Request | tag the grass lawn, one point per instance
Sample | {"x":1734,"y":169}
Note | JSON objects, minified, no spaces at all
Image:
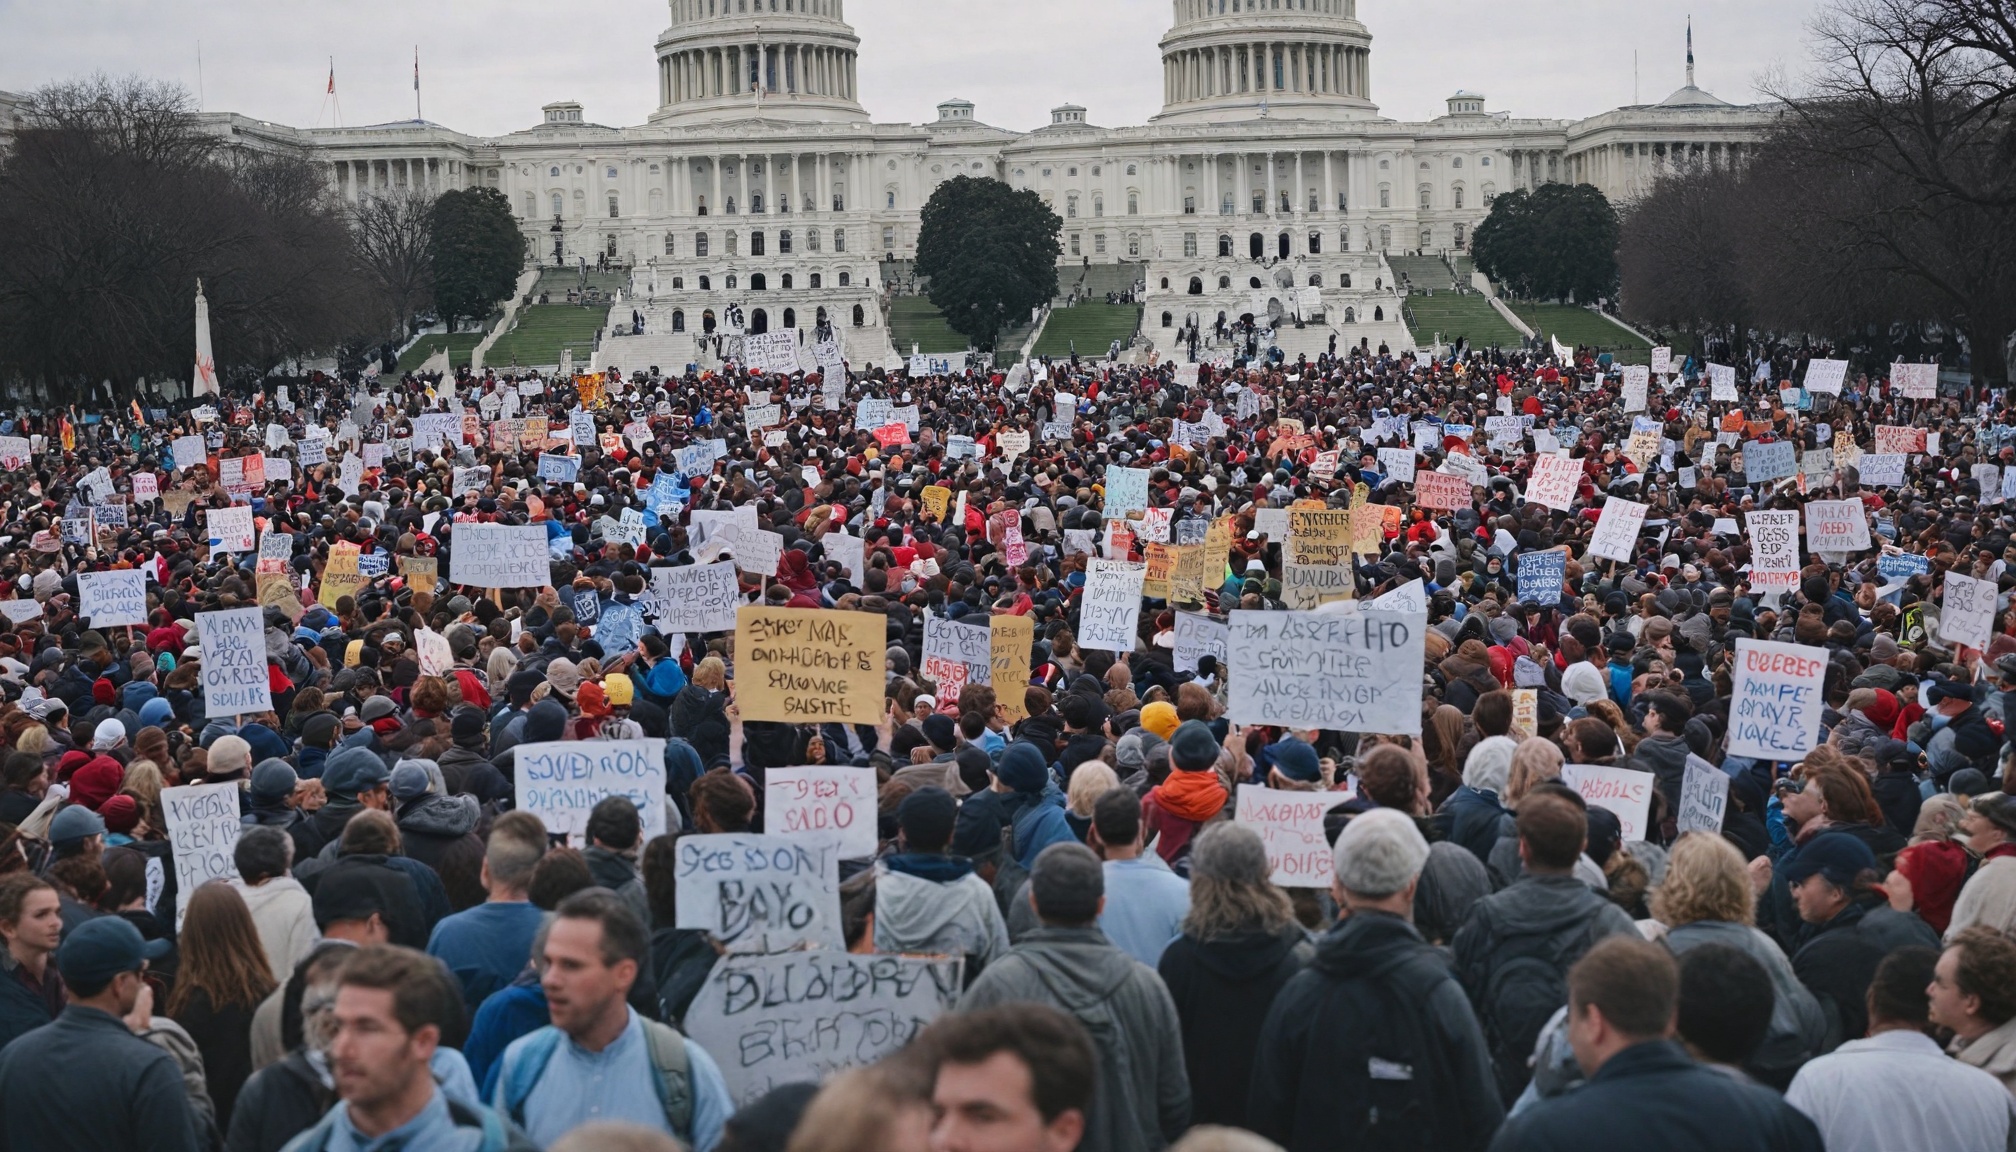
{"x":459,"y":345}
{"x":914,"y":320}
{"x":543,"y":330}
{"x":1579,"y":327}
{"x":1093,"y":326}
{"x":1458,"y":315}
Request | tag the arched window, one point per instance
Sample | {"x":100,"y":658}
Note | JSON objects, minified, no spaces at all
{"x":700,"y":244}
{"x":787,"y":286}
{"x":1165,"y":283}
{"x":559,"y":204}
{"x":1316,"y":280}
{"x":790,"y":316}
{"x":844,"y":279}
{"x":1224,"y":245}
{"x":1256,"y":246}
{"x":1315,"y":243}
{"x":784,"y":242}
{"x":1350,"y":316}
{"x":1168,"y":320}
{"x":1427,"y":196}
{"x":731,"y":206}
{"x":1456,"y":196}
{"x":755,"y":243}
{"x":759,"y":321}
{"x":1343,"y":239}
{"x":1071,"y":206}
{"x":1385,"y":238}
{"x":1098,"y":205}
{"x":1378,"y":313}
{"x":1344,"y":280}
{"x":757,"y":282}
{"x":1133,"y":203}
{"x":1252,"y":282}
{"x":1459,"y":235}
{"x":678,"y":320}
{"x":1281,"y":245}
{"x":731,"y":281}
{"x":857,"y":316}
{"x":839,"y":239}
{"x":705,"y":286}
{"x":731,"y":244}
{"x":613,"y":213}
{"x":755,"y":203}
{"x":1134,"y":245}
{"x":816,"y":280}
{"x":1196,"y":285}
{"x":892,"y":200}
{"x":1224,"y":283}
{"x":700,"y":204}
{"x":1385,"y":195}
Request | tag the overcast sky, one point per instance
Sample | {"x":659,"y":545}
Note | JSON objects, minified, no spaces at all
{"x":487,"y":65}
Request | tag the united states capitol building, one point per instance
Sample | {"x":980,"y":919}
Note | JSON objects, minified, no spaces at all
{"x":1268,"y":184}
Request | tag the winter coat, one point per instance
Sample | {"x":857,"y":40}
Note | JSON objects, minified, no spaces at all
{"x":278,"y":1103}
{"x":1857,"y":735}
{"x":933,"y":903}
{"x":614,"y":871}
{"x":1798,"y":1024}
{"x":1143,"y":1099}
{"x":284,"y":914}
{"x":1466,"y":682}
{"x":1665,"y":756}
{"x":175,"y":1040}
{"x":1307,"y":1030}
{"x":681,"y":959}
{"x":1837,"y":961}
{"x":405,"y":919}
{"x":699,"y":715}
{"x":86,"y":1082}
{"x":1652,"y":1097}
{"x":224,"y":1035}
{"x":1994,"y":1052}
{"x":1966,"y":741}
{"x":21,"y":1010}
{"x":431,"y":825}
{"x":1473,"y":819}
{"x":1222,"y":989}
{"x":467,"y":772}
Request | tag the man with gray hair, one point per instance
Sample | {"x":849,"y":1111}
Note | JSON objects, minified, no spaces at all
{"x":1143,"y":1100}
{"x":1376,"y":1030}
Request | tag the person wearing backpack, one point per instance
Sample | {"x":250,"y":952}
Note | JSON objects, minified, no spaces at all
{"x":599,"y":1060}
{"x":1514,"y":951}
{"x":1143,"y":1099}
{"x":380,"y":1061}
{"x":1374,"y":1046}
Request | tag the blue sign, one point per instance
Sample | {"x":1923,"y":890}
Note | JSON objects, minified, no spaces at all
{"x":374,"y":564}
{"x":1540,"y":576}
{"x":1897,"y":567}
{"x":666,"y":489}
{"x":587,"y":606}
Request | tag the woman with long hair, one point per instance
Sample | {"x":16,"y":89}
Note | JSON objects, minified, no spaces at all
{"x":1240,"y":944}
{"x":221,"y":977}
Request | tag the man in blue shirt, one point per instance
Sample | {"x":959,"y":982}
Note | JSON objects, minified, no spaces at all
{"x":599,"y":1060}
{"x":487,"y":946}
{"x":381,"y":1063}
{"x":1145,"y":901}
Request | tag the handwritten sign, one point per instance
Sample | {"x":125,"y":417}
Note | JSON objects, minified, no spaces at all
{"x":234,"y":662}
{"x":1915,"y":381}
{"x":1198,"y":636}
{"x":421,"y":572}
{"x":1763,"y":463}
{"x":1967,"y":614}
{"x":562,"y":781}
{"x":499,"y":556}
{"x":203,"y":826}
{"x":1009,"y":639}
{"x":1775,"y":706}
{"x":695,"y":597}
{"x":109,"y":599}
{"x":1540,"y":577}
{"x":1111,"y":612}
{"x":1126,"y":491}
{"x":1441,"y":490}
{"x":1826,"y":376}
{"x":1704,"y":798}
{"x":801,"y":1016}
{"x":1774,"y":548}
{"x":1616,"y":536}
{"x":832,"y":803}
{"x":1625,"y":792}
{"x":1554,"y":483}
{"x":1290,"y":825}
{"x":809,"y":665}
{"x":1326,"y":670}
{"x":1836,"y":526}
{"x":760,"y":893}
{"x":1526,"y":711}
{"x":230,"y":529}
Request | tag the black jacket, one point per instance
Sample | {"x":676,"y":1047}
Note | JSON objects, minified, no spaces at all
{"x":468,"y":772}
{"x":1666,"y":758}
{"x":681,"y":959}
{"x":278,"y":1103}
{"x":1223,"y":989}
{"x":1309,"y":1038}
{"x":84,"y":1081}
{"x":1837,"y":961}
{"x":1652,"y":1098}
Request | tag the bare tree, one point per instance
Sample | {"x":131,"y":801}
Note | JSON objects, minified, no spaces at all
{"x":394,"y":234}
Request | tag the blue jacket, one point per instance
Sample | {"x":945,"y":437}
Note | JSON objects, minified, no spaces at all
{"x":21,"y":1011}
{"x":84,"y":1081}
{"x":1667,"y":1103}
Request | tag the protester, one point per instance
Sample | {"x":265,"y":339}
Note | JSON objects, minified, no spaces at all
{"x":1016,"y":1078}
{"x":222,"y":976}
{"x":487,"y":946}
{"x":1973,"y":995}
{"x":31,"y":987}
{"x":929,"y":901}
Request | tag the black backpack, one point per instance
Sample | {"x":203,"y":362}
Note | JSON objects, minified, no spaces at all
{"x":1389,"y":1081}
{"x":1527,"y":985}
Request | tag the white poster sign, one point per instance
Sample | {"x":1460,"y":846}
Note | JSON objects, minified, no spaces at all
{"x":1774,"y":548}
{"x":1290,"y":825}
{"x":203,"y":825}
{"x":695,"y":597}
{"x":832,"y":803}
{"x":1112,"y":607}
{"x":1554,"y":482}
{"x":1616,"y":536}
{"x":561,"y":782}
{"x":1326,"y":670}
{"x":1776,"y":702}
{"x":1704,"y":798}
{"x":234,"y":662}
{"x":1836,"y":526}
{"x":760,"y":893}
{"x":1627,"y":793}
{"x":1826,"y":376}
{"x":1198,"y":636}
{"x":113,"y":598}
{"x":499,"y":556}
{"x":1126,"y":491}
{"x":1967,"y":612}
{"x":230,"y":529}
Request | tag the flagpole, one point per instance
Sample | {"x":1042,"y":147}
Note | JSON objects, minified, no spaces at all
{"x":416,"y":83}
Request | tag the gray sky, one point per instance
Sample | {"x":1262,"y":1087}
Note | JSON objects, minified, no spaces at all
{"x":487,"y":65}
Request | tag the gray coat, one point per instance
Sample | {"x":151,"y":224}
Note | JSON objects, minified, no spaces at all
{"x":1143,"y":1101}
{"x":1798,"y":1024}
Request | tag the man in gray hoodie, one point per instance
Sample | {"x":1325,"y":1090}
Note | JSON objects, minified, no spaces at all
{"x":1143,"y":1101}
{"x":927,"y":900}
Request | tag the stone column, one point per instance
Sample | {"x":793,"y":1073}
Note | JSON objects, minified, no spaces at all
{"x":1272,"y":200}
{"x":1329,"y":183}
{"x":1297,"y":202}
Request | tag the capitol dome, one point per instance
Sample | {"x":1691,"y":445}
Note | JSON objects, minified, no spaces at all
{"x":1284,"y":59}
{"x":793,"y":60}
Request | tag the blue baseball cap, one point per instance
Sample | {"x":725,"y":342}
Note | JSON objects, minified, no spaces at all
{"x":97,"y":950}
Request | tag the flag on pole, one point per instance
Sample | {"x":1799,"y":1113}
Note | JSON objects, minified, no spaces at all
{"x":416,"y":66}
{"x":205,"y":383}
{"x":332,"y":78}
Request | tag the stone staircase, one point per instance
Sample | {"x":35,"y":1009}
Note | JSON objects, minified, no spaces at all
{"x":1421,"y":273}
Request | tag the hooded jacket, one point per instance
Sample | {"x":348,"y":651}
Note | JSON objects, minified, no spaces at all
{"x":1838,"y":961}
{"x":430,"y":825}
{"x":1307,"y":1030}
{"x":681,"y":959}
{"x":1143,"y":1099}
{"x":1798,"y":1026}
{"x":932,"y":903}
{"x":614,"y":871}
{"x":1665,"y":756}
{"x":1222,"y":989}
{"x":283,"y":913}
{"x":468,"y":772}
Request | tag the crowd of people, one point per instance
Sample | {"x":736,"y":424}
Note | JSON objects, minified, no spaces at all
{"x":404,"y":957}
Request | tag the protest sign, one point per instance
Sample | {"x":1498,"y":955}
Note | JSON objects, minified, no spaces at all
{"x":809,"y":665}
{"x":499,"y":556}
{"x":759,"y":416}
{"x":1775,"y":705}
{"x":1526,"y":711}
{"x":1112,"y":605}
{"x":1468,"y":467}
{"x":587,"y":606}
{"x":1398,"y":463}
{"x":562,"y":781}
{"x":437,"y":658}
{"x":1763,"y":463}
{"x":695,"y":597}
{"x":145,"y":486}
{"x":1554,"y":482}
{"x":1616,"y":536}
{"x":957,"y":642}
{"x":1774,"y":548}
{"x":189,"y":451}
{"x":1662,"y":361}
{"x":1305,"y":586}
{"x":21,"y":609}
{"x":1319,"y":537}
{"x":1892,"y":438}
{"x":1722,"y":383}
{"x":774,"y":352}
{"x":1967,"y":614}
{"x":112,"y":598}
{"x":1290,"y":825}
{"x":1012,"y":444}
{"x":1326,"y":670}
{"x":1126,"y":491}
{"x":1826,"y":376}
{"x":1836,"y":526}
{"x":1541,"y":576}
{"x":557,"y":468}
{"x":1704,"y":798}
{"x":1441,"y":491}
{"x":1915,"y":381}
{"x":1198,"y":636}
{"x":1636,"y":378}
{"x":1897,"y":567}
{"x":421,"y":572}
{"x":799,"y":1017}
{"x":759,"y":893}
{"x":1009,"y":640}
{"x":831,"y":803}
{"x":1882,"y":470}
{"x":203,"y":826}
{"x":340,"y":576}
{"x":230,"y":529}
{"x":1626,"y":792}
{"x":234,"y":662}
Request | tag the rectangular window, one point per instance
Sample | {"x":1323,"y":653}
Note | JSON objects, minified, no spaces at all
{"x":1189,"y":205}
{"x":839,"y":239}
{"x":811,"y":239}
{"x":700,"y":244}
{"x":888,"y":239}
{"x":784,"y":242}
{"x":668,"y":245}
{"x":1074,"y":245}
{"x":1189,"y":244}
{"x":1099,"y":244}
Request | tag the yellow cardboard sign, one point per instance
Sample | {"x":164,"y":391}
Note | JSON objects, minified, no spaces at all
{"x":809,"y":665}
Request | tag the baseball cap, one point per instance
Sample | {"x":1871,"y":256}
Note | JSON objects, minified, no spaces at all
{"x":99,"y":949}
